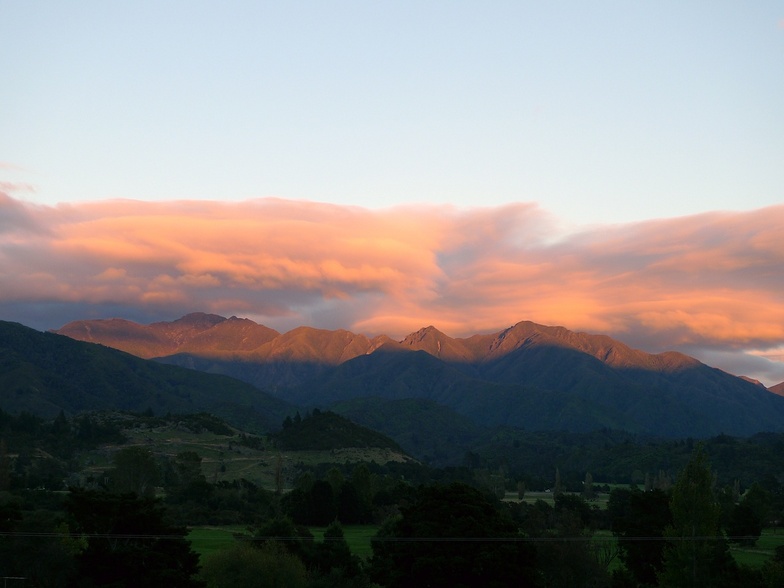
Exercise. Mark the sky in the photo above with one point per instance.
(612, 167)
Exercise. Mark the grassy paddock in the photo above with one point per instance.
(548, 497)
(757, 555)
(208, 540)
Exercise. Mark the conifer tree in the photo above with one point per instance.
(557, 489)
(697, 554)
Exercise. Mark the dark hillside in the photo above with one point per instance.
(326, 431)
(429, 431)
(532, 376)
(44, 373)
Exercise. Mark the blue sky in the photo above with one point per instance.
(612, 167)
(598, 112)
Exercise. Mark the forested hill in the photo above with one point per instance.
(327, 430)
(45, 373)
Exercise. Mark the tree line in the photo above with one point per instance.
(446, 527)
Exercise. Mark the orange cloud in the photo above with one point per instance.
(713, 279)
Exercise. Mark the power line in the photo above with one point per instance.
(544, 539)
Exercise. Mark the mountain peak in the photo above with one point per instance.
(423, 334)
(583, 380)
(201, 318)
(437, 344)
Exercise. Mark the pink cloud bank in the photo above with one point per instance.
(713, 280)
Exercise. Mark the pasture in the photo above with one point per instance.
(208, 540)
(225, 458)
(531, 497)
(764, 549)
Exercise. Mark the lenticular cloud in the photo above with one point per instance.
(713, 280)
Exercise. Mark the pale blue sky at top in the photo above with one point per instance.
(597, 111)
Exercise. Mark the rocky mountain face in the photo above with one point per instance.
(529, 375)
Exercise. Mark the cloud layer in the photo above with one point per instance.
(712, 282)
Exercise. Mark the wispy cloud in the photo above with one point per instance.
(6, 186)
(710, 281)
(7, 165)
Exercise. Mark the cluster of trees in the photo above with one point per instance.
(618, 457)
(324, 430)
(89, 538)
(446, 527)
(359, 498)
(458, 536)
(678, 538)
(189, 497)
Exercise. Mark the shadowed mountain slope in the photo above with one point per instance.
(328, 430)
(44, 373)
(529, 375)
(428, 430)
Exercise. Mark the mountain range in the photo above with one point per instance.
(45, 373)
(530, 376)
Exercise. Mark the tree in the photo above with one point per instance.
(759, 500)
(283, 531)
(451, 536)
(576, 505)
(333, 556)
(696, 554)
(322, 503)
(567, 559)
(334, 477)
(349, 508)
(773, 569)
(743, 525)
(557, 488)
(37, 544)
(187, 481)
(279, 475)
(135, 470)
(5, 467)
(638, 519)
(130, 543)
(588, 491)
(363, 484)
(246, 566)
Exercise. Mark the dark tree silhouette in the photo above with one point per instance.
(638, 519)
(129, 543)
(697, 554)
(452, 536)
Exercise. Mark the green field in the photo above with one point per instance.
(531, 497)
(754, 557)
(208, 540)
(757, 555)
